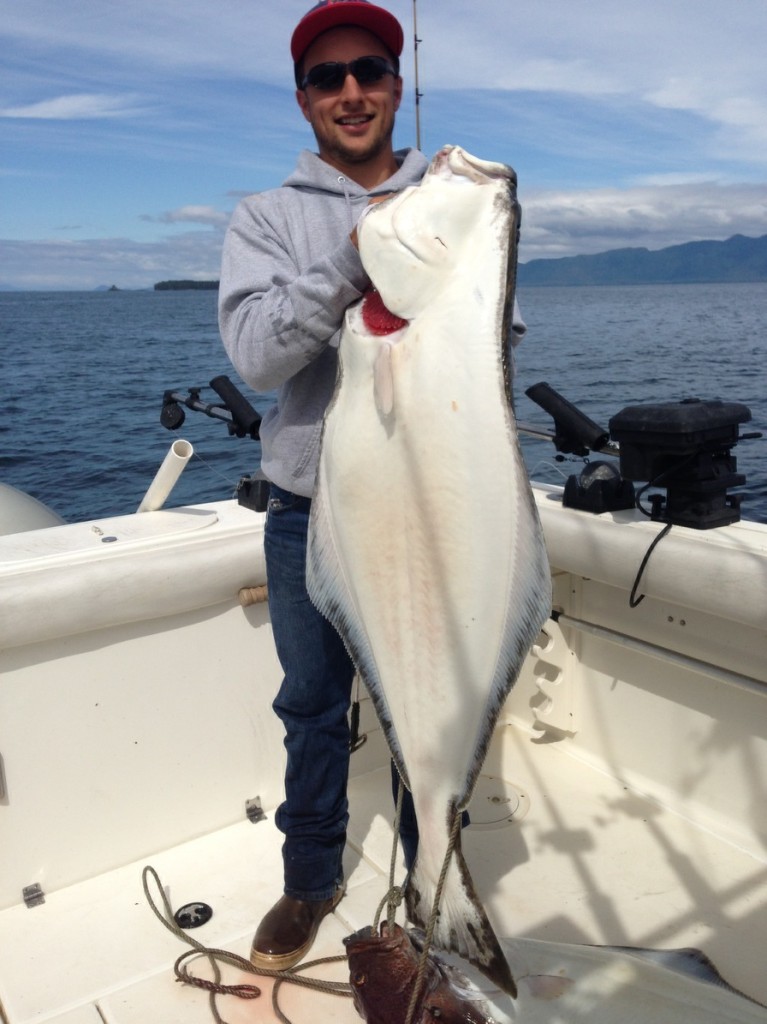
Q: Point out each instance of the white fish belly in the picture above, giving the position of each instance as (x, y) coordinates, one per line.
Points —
(571, 984)
(440, 558)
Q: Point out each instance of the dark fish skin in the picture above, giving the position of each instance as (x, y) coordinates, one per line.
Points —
(382, 971)
(493, 964)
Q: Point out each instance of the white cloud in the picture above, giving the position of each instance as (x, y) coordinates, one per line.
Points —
(77, 106)
(739, 117)
(555, 223)
(572, 75)
(192, 215)
(91, 263)
(595, 220)
(229, 37)
(605, 45)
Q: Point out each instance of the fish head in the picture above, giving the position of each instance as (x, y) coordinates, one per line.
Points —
(412, 243)
(382, 971)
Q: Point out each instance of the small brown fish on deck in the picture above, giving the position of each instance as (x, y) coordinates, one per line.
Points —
(383, 970)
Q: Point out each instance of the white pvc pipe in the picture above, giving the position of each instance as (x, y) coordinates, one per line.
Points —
(165, 479)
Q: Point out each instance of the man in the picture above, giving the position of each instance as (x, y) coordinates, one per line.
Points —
(290, 269)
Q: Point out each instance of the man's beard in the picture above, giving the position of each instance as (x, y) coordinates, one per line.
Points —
(336, 148)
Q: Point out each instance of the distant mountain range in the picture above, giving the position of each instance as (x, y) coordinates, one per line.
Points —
(739, 259)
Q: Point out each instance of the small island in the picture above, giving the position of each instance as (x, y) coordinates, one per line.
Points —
(185, 286)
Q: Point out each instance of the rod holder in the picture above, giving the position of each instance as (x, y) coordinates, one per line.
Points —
(166, 477)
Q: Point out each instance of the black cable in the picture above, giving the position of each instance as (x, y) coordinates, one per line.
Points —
(633, 599)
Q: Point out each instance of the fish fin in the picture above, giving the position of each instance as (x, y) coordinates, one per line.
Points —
(383, 379)
(462, 924)
(690, 961)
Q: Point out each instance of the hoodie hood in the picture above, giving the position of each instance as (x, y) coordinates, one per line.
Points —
(314, 174)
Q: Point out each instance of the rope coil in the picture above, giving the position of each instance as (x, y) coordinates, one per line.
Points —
(216, 957)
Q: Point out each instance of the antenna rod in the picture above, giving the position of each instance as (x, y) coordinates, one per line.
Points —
(418, 93)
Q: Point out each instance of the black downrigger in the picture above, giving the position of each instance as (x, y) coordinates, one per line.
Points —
(682, 448)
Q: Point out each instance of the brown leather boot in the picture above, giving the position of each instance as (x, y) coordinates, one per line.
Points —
(287, 932)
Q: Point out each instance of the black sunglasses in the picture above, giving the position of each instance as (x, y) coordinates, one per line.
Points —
(332, 74)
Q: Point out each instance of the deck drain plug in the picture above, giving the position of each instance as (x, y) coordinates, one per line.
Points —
(497, 803)
(193, 915)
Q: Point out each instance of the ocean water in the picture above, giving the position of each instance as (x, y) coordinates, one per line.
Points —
(84, 376)
(605, 348)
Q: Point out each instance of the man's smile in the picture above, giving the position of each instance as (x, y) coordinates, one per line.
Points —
(354, 119)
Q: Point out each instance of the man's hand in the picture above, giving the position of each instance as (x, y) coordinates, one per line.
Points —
(371, 202)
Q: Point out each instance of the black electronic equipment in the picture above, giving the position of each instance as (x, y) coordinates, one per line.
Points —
(684, 447)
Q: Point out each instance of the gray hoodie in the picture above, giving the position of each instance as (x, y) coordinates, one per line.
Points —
(288, 273)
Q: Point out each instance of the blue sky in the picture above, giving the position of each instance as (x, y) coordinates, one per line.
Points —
(129, 128)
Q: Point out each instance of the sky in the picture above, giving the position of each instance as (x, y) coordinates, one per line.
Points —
(129, 129)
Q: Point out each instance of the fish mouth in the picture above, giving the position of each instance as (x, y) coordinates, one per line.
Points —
(453, 160)
(452, 164)
(376, 318)
(369, 938)
(363, 935)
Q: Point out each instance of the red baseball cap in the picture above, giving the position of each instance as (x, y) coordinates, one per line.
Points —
(332, 13)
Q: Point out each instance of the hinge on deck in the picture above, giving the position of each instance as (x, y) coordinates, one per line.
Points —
(254, 811)
(33, 895)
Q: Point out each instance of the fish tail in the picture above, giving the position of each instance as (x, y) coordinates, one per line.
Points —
(462, 923)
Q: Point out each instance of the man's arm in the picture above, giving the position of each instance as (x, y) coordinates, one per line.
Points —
(275, 320)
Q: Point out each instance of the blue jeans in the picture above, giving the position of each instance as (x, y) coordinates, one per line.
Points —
(312, 703)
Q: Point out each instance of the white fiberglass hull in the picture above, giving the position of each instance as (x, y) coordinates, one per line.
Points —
(622, 802)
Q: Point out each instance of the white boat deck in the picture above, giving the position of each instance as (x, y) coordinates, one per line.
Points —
(587, 861)
(136, 721)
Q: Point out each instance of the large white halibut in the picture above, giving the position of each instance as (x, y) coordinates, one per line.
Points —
(425, 549)
(558, 984)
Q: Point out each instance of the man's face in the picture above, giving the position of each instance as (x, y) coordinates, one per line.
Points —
(353, 124)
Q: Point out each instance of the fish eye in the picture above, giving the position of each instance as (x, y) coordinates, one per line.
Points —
(359, 978)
